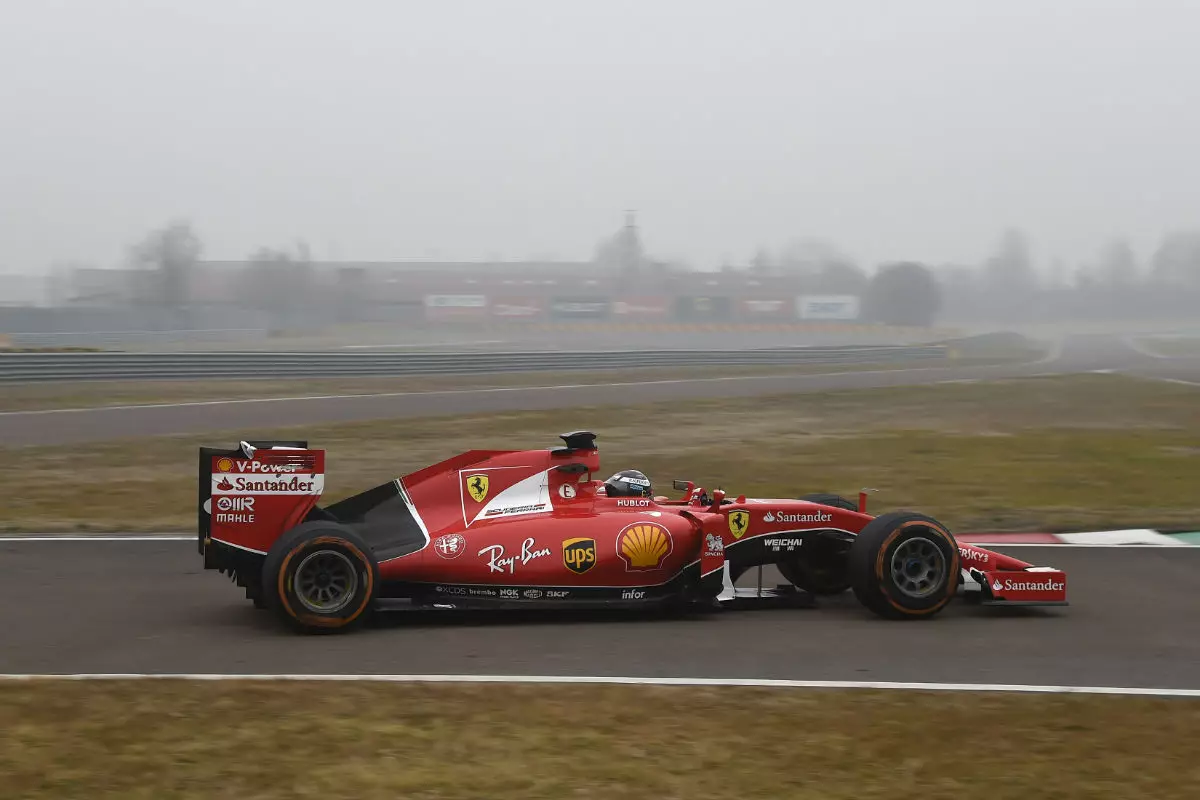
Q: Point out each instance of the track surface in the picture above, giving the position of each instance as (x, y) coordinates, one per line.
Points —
(148, 607)
(1078, 354)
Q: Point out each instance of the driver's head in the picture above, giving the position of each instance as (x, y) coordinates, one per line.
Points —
(628, 483)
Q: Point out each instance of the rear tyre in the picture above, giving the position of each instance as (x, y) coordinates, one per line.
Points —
(820, 569)
(904, 566)
(320, 578)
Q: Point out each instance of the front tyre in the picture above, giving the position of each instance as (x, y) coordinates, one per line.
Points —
(820, 569)
(320, 578)
(904, 566)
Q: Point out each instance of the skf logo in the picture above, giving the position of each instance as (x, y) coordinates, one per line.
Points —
(477, 485)
(739, 523)
(224, 464)
(579, 555)
(644, 546)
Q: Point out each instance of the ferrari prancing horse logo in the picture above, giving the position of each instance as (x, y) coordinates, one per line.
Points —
(477, 485)
(739, 522)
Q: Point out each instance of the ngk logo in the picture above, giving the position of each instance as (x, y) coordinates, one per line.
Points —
(235, 503)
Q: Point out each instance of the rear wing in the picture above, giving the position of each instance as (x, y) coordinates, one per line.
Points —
(252, 494)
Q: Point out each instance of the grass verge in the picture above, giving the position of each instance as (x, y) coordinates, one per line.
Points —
(1183, 346)
(269, 740)
(1091, 451)
(78, 394)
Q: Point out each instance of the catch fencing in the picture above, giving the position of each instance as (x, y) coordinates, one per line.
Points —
(30, 367)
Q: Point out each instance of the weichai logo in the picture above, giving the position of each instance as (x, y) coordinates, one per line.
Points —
(579, 555)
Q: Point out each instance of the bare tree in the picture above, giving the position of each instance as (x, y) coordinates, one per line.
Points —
(903, 294)
(170, 253)
(1177, 260)
(280, 281)
(1117, 266)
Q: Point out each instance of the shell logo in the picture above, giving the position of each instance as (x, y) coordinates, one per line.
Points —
(224, 464)
(644, 546)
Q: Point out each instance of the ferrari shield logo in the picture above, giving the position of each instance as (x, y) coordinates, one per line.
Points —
(477, 485)
(739, 523)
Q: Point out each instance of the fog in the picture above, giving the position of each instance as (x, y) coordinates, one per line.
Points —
(486, 130)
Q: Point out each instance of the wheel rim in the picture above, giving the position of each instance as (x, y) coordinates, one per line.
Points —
(918, 567)
(326, 581)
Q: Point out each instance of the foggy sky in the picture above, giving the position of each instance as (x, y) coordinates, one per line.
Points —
(387, 129)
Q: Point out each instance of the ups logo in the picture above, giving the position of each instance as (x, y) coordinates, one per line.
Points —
(579, 555)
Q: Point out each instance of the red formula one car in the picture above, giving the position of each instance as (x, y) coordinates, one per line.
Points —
(514, 528)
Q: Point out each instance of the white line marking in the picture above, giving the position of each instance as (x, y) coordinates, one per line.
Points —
(1072, 545)
(1132, 343)
(1136, 536)
(168, 537)
(500, 389)
(635, 681)
(450, 392)
(419, 344)
(44, 537)
(1167, 380)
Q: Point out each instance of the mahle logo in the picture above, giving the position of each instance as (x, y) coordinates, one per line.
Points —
(477, 485)
(739, 523)
(579, 555)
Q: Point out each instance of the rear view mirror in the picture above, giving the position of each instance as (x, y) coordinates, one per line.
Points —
(681, 486)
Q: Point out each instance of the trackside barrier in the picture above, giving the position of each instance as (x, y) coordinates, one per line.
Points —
(28, 367)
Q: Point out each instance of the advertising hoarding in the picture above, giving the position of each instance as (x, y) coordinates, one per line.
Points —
(765, 309)
(827, 306)
(517, 309)
(701, 309)
(455, 306)
(633, 308)
(580, 307)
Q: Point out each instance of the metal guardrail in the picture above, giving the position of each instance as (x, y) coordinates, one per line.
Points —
(29, 367)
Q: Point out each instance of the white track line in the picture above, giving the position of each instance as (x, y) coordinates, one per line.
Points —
(634, 681)
(170, 537)
(500, 389)
(421, 344)
(445, 392)
(1178, 381)
(50, 537)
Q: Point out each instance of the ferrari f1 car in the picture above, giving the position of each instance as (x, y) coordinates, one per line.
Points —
(515, 528)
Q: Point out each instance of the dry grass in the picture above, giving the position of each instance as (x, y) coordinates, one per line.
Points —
(246, 740)
(1077, 452)
(78, 394)
(1183, 346)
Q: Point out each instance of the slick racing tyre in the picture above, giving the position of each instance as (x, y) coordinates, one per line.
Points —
(904, 566)
(820, 569)
(320, 578)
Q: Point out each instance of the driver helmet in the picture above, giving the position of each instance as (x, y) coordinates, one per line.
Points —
(628, 483)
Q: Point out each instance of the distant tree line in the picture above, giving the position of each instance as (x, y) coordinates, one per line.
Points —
(1006, 287)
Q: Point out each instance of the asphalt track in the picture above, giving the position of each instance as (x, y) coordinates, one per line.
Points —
(148, 607)
(246, 418)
